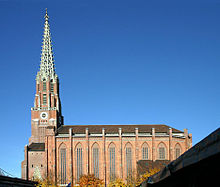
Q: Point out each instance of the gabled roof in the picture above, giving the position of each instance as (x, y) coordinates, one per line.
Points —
(114, 129)
(36, 147)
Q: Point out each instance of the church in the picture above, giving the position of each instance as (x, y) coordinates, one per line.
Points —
(66, 152)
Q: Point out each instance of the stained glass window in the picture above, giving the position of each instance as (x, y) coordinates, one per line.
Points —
(128, 156)
(112, 162)
(95, 155)
(63, 165)
(78, 162)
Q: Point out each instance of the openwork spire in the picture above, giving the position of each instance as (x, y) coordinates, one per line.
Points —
(47, 69)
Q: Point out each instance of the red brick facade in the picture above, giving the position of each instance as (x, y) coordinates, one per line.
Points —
(63, 153)
(48, 160)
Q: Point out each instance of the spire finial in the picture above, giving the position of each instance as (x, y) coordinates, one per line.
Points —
(46, 15)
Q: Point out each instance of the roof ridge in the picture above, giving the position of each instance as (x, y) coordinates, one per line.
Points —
(118, 124)
(114, 128)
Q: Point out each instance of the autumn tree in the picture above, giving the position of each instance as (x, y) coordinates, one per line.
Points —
(90, 180)
(45, 183)
(146, 175)
(117, 183)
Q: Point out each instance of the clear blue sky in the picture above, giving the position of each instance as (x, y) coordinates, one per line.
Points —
(119, 62)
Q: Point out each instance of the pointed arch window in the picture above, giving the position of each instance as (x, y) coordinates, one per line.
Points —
(145, 152)
(112, 162)
(95, 155)
(79, 161)
(177, 150)
(161, 151)
(44, 86)
(128, 157)
(44, 99)
(63, 164)
(52, 87)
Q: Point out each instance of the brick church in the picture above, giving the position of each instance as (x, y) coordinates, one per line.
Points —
(65, 152)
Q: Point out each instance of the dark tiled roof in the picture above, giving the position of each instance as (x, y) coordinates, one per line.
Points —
(37, 147)
(114, 128)
(11, 181)
(144, 165)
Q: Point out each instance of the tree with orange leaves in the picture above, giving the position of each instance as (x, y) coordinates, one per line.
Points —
(90, 180)
(146, 175)
(117, 183)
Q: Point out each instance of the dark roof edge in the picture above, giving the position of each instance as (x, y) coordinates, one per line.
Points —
(119, 125)
(36, 147)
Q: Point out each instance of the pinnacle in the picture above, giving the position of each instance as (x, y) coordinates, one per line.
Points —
(46, 15)
(47, 68)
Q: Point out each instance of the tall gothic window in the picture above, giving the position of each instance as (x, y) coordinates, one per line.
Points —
(51, 87)
(44, 99)
(112, 162)
(44, 86)
(128, 157)
(95, 155)
(145, 152)
(161, 151)
(177, 150)
(78, 161)
(63, 164)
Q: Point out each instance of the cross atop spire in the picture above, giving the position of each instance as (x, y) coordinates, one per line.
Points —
(47, 69)
(46, 15)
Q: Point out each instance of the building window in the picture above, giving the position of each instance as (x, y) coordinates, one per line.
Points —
(52, 87)
(44, 86)
(145, 152)
(161, 151)
(95, 155)
(44, 99)
(177, 151)
(63, 165)
(128, 157)
(112, 162)
(78, 162)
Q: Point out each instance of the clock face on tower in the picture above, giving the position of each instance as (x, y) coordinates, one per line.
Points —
(43, 115)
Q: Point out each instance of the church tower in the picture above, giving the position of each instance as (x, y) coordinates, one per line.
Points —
(47, 107)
